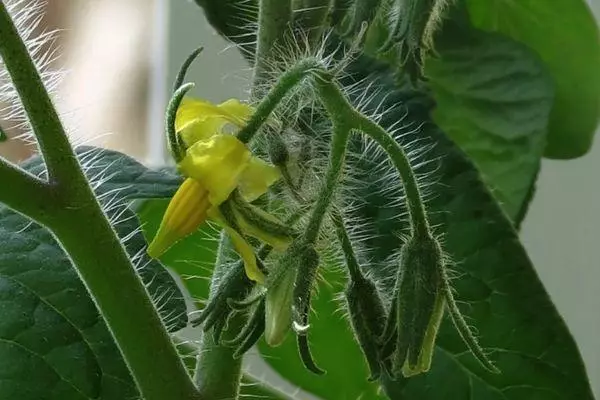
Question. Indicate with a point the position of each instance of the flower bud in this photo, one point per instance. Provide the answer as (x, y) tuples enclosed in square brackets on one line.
[(279, 297), (278, 152), (367, 317), (305, 279), (418, 306)]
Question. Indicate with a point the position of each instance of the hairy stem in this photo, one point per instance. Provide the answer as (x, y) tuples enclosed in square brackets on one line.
[(80, 225), (341, 133), (346, 245), (103, 265), (310, 18), (218, 373), (338, 108), (27, 194), (418, 217), (274, 17), (284, 84), (42, 115)]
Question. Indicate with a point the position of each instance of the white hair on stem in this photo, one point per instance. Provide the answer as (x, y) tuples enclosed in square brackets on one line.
[(27, 16)]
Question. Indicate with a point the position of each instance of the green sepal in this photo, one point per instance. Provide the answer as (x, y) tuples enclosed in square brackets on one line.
[(364, 11), (234, 285)]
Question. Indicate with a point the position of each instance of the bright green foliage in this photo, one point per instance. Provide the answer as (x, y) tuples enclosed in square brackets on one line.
[(493, 99), (565, 35)]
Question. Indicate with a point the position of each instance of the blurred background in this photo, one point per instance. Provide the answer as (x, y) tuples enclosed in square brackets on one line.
[(121, 57)]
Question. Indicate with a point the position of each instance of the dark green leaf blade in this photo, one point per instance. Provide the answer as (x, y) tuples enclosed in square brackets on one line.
[(496, 284), (565, 35), (493, 99), (53, 342)]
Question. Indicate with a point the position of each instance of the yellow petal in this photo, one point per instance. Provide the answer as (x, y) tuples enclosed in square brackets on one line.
[(199, 119), (236, 112), (191, 110), (246, 252), (201, 129), (217, 164), (185, 213), (256, 178), (242, 247)]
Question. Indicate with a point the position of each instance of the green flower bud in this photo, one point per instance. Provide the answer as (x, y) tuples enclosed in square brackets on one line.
[(279, 297), (418, 306), (278, 152), (421, 296), (367, 317), (288, 298), (305, 280)]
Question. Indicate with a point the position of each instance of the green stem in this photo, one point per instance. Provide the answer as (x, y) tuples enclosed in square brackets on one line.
[(103, 265), (46, 125), (274, 17), (337, 155), (345, 116), (285, 83), (337, 107), (418, 217), (342, 234), (218, 371), (97, 254), (26, 193), (309, 18)]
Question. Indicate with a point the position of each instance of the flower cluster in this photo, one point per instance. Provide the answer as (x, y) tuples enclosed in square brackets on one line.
[(215, 165), (222, 180)]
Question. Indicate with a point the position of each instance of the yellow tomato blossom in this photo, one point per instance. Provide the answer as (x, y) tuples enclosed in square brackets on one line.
[(215, 164)]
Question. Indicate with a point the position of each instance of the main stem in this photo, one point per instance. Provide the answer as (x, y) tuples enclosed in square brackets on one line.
[(123, 301), (274, 17), (218, 373), (78, 222), (42, 115)]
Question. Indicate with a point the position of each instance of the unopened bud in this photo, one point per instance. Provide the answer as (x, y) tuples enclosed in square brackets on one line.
[(367, 317), (279, 297), (418, 306), (278, 152)]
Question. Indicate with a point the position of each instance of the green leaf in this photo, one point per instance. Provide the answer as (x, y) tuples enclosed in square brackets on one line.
[(493, 99), (496, 284), (53, 342), (235, 20), (3, 136), (565, 35)]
